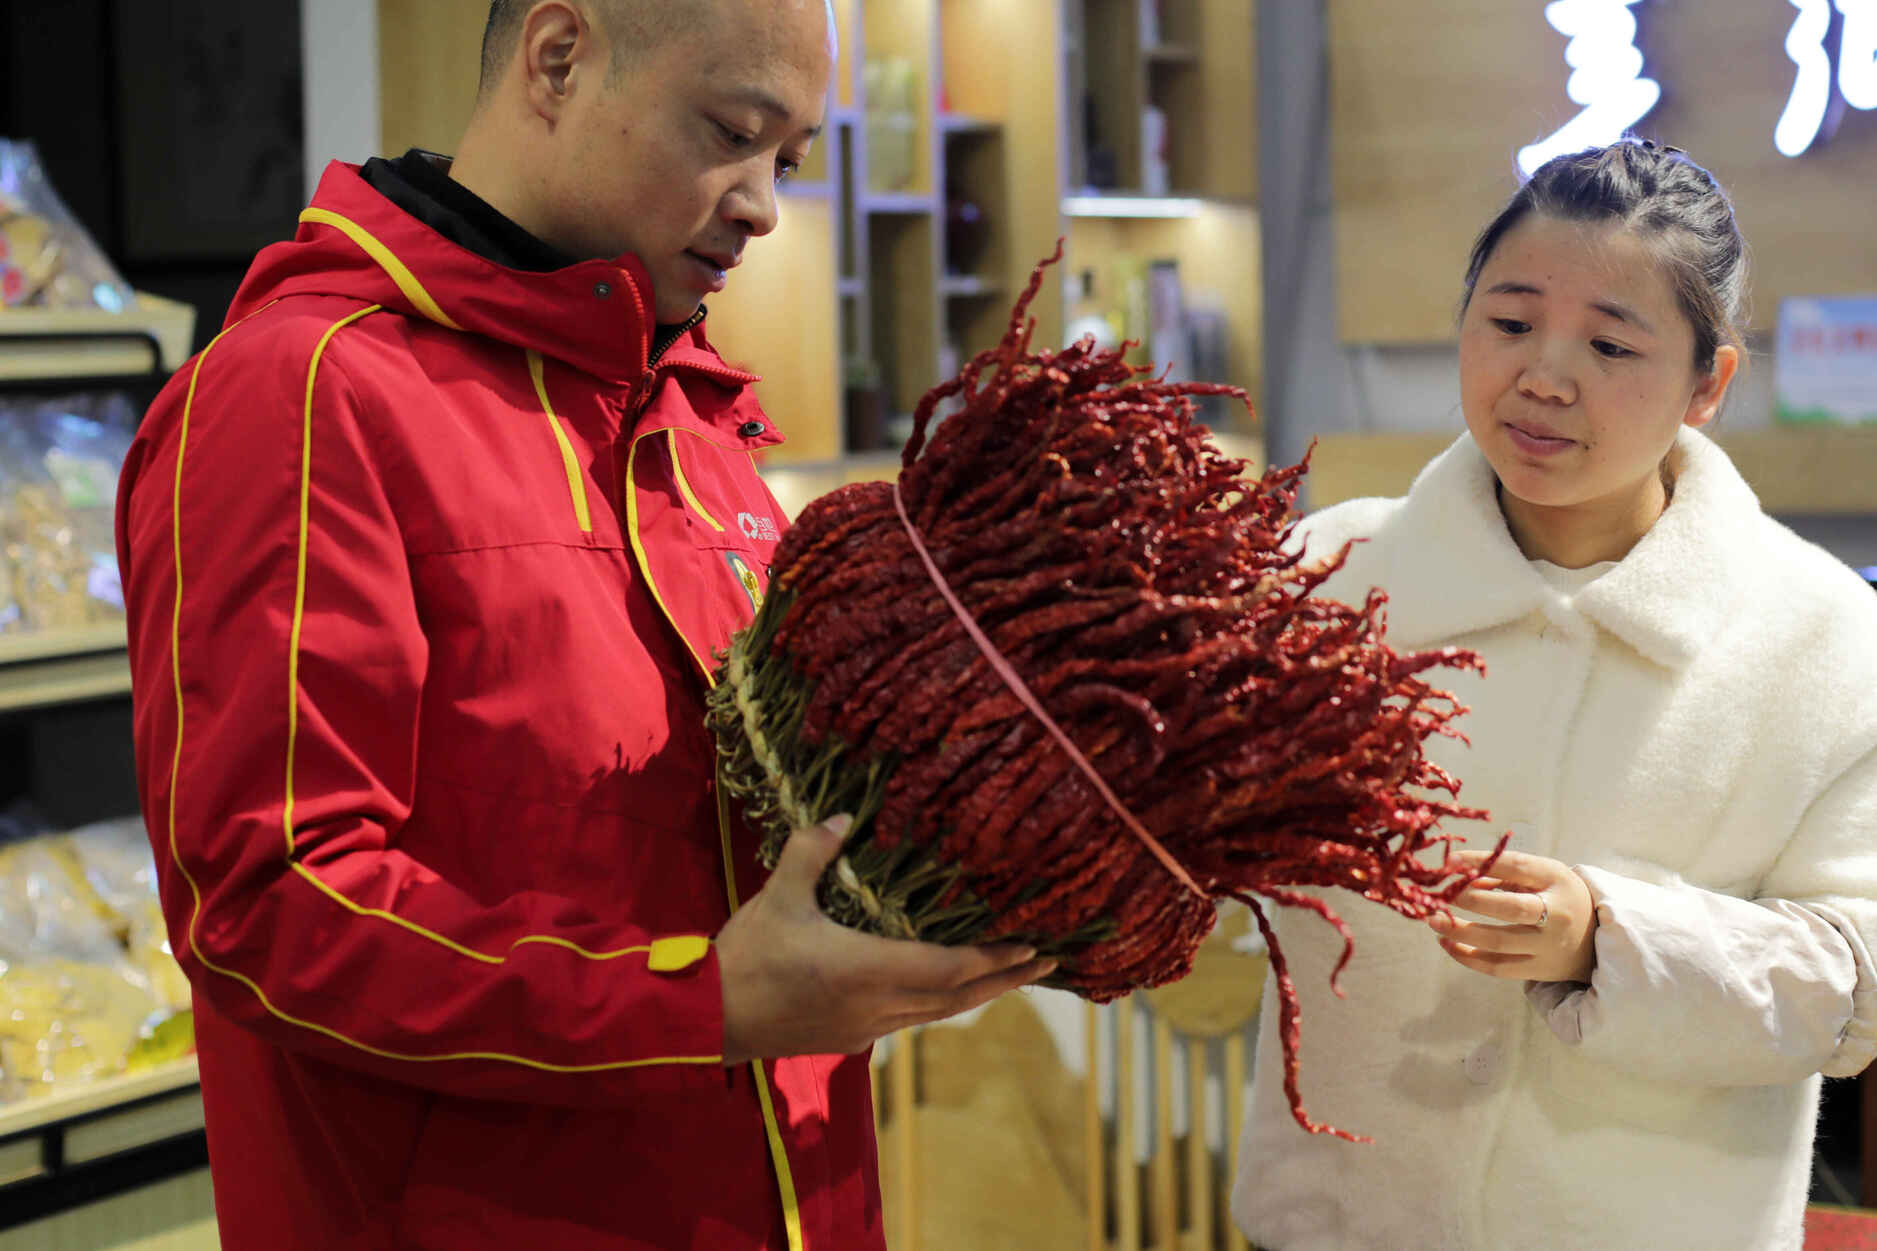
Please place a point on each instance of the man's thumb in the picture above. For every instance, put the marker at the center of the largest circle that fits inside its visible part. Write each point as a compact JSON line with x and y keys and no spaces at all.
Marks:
{"x":810,"y":850}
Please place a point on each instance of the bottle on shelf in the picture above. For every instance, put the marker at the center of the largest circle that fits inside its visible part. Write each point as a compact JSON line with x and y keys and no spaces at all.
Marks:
{"x":1086,"y":315}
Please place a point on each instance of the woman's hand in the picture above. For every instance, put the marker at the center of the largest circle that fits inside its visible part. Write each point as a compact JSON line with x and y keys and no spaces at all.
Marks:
{"x":1548,"y":921}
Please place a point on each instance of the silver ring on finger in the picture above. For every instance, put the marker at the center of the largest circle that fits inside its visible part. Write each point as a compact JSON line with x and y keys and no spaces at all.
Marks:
{"x":1544,"y":914}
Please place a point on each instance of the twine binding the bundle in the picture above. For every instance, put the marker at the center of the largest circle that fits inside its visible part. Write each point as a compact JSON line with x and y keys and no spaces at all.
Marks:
{"x":1021,"y":690}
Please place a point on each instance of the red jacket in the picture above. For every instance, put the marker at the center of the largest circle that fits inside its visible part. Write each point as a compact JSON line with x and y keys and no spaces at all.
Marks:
{"x":425,"y":564}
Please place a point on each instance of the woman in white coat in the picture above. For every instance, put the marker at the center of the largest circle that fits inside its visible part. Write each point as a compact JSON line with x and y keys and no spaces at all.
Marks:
{"x":1618,"y":1043}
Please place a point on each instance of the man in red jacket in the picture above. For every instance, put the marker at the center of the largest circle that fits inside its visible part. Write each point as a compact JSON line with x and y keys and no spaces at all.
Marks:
{"x":425,"y":557}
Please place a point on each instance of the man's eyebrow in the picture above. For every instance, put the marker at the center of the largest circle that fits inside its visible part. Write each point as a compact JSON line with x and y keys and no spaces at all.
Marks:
{"x":769,"y":104}
{"x":1513,"y":288}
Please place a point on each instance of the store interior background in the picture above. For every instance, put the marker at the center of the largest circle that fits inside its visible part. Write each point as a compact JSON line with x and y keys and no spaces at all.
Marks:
{"x":186,"y":135}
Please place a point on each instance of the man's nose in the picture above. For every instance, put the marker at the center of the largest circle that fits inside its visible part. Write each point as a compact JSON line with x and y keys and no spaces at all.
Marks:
{"x":752,"y":203}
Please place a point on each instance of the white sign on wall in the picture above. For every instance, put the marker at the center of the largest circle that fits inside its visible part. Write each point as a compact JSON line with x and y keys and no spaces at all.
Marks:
{"x":1825,"y":369}
{"x":1607,"y":78}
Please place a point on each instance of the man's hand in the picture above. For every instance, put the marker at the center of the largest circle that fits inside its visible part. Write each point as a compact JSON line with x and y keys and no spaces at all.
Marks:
{"x":1551,"y":920}
{"x":796,"y":983}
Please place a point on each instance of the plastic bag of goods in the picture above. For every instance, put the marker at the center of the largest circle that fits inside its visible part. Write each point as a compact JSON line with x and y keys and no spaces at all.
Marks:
{"x":59,"y":465}
{"x":47,"y":260}
{"x":87,"y":987}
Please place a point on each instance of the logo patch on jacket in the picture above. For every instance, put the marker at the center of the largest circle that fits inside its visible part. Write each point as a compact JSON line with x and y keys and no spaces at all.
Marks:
{"x":752,"y":585}
{"x":754,"y":527}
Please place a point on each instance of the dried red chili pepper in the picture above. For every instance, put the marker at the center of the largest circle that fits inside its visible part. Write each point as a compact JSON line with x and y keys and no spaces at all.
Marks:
{"x":1152,"y":598}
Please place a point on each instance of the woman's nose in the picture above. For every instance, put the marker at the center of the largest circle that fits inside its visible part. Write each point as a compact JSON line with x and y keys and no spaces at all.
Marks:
{"x":1545,"y":378}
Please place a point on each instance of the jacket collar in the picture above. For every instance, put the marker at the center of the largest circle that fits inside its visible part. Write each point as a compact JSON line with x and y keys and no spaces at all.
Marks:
{"x":595,"y":316}
{"x":1677,"y":588}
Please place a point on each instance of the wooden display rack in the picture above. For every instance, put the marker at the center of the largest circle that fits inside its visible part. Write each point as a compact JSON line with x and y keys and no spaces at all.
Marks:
{"x":858,"y":270}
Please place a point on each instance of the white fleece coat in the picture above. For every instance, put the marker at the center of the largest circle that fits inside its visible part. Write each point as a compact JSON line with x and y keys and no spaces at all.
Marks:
{"x":1696,"y":730}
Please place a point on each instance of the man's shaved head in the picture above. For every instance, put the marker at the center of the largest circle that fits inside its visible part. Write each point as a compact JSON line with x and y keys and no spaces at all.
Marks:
{"x":631,"y":26}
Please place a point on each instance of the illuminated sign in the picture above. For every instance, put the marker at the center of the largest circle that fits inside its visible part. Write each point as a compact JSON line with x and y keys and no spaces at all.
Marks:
{"x":1607,"y":73}
{"x":1810,"y":101}
{"x":1606,"y":77}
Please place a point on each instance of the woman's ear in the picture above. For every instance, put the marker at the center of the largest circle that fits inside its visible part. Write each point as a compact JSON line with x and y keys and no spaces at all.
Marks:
{"x":1711,"y":387}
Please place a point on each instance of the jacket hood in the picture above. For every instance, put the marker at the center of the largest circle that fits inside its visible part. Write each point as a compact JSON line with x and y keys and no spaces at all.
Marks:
{"x":595,"y":315}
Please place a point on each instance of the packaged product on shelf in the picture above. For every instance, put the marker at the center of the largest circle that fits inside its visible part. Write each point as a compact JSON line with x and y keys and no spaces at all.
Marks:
{"x":59,"y":461}
{"x":88,"y":988}
{"x":47,"y":260}
{"x":12,"y":611}
{"x":114,"y":858}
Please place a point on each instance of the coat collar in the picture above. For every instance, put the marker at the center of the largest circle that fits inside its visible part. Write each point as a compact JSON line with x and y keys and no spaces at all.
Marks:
{"x":595,"y":315}
{"x":1454,"y":568}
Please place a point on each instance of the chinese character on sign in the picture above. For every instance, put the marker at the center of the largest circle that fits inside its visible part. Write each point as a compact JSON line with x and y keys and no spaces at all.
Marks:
{"x":1607,"y":73}
{"x":1606,"y":77}
{"x":1806,"y":46}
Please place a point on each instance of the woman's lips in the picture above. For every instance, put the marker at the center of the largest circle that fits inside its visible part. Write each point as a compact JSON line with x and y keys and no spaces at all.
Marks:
{"x":1538,"y":440}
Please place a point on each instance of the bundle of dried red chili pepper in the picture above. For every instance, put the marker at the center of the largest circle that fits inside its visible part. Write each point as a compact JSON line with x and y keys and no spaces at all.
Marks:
{"x":1254,"y":738}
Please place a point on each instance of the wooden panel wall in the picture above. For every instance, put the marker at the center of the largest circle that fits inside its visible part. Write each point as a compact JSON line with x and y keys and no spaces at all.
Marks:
{"x":429,"y":58}
{"x":777,"y":313}
{"x":1431,"y":102}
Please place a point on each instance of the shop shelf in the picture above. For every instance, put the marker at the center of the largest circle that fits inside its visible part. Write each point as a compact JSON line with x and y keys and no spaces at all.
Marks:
{"x":153,"y":335}
{"x":898,"y":203}
{"x":1124,"y":204}
{"x":130,"y":1092}
{"x":67,"y":1159}
{"x":965,"y":124}
{"x":1171,"y":54}
{"x":62,"y":679}
{"x":52,"y":644}
{"x":969,"y":286}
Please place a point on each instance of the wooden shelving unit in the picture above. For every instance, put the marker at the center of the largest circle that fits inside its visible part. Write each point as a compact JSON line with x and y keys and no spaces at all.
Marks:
{"x":1193,"y":61}
{"x":935,"y":102}
{"x":854,"y":308}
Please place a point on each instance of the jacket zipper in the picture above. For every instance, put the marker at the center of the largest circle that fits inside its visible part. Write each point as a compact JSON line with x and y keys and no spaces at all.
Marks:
{"x":671,"y":336}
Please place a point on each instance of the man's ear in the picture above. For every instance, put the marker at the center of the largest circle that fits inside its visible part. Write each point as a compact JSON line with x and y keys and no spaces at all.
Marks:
{"x":556,"y":41}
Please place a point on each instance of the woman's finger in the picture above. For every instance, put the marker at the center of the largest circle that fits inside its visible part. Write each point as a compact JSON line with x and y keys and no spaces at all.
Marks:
{"x":1514,"y":907}
{"x":1509,"y":939}
{"x":1491,"y":963}
{"x":1518,"y":868}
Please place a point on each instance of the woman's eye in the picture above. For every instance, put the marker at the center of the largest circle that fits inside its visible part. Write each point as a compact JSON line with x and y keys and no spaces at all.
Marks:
{"x":1609,"y":350}
{"x":785,"y":168}
{"x":1511,"y":325}
{"x":734,"y":137}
